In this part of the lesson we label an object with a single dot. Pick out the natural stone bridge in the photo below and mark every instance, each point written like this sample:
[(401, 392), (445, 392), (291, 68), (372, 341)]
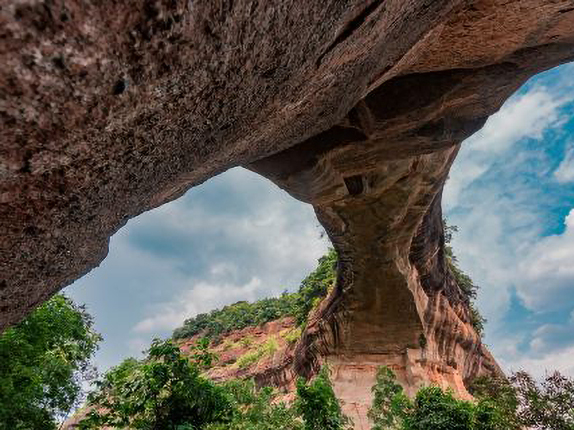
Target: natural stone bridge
[(357, 107)]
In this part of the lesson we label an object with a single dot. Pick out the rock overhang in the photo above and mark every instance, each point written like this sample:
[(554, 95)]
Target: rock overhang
[(357, 108)]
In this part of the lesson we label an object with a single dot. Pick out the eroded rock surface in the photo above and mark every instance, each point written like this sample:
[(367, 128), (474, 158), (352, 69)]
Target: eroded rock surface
[(357, 107)]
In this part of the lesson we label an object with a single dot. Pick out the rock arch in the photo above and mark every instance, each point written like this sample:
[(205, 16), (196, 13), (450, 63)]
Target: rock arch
[(358, 109)]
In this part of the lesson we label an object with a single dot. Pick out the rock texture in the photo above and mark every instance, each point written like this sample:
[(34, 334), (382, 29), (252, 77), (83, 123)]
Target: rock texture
[(357, 107), (109, 109)]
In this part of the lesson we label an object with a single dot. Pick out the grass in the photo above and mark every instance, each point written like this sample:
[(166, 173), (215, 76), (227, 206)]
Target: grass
[(291, 335), (266, 349)]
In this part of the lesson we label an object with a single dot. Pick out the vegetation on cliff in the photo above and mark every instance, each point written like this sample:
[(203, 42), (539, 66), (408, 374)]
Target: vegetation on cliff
[(464, 282), (43, 362), (244, 314)]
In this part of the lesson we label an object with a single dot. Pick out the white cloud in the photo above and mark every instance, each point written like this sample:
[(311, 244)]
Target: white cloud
[(540, 366), (500, 193), (237, 237), (526, 116), (202, 298), (565, 171), (546, 275)]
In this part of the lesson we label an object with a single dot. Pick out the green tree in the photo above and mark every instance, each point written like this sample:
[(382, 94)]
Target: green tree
[(316, 285), (318, 405), (434, 409), (498, 391), (431, 409), (548, 405), (524, 402), (390, 403), (257, 409), (43, 361), (165, 391)]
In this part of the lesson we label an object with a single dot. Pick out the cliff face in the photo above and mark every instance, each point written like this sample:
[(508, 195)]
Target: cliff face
[(355, 107)]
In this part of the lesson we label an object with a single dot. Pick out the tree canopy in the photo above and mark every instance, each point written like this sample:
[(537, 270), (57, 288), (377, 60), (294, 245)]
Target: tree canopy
[(168, 391), (43, 361), (431, 409)]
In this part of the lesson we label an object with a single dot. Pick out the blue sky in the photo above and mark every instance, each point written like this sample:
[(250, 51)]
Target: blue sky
[(236, 237), (239, 237), (511, 192)]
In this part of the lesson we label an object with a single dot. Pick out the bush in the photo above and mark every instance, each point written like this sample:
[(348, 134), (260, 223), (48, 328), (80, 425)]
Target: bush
[(291, 335), (434, 409), (264, 350), (167, 392), (390, 404), (316, 286), (500, 392), (257, 409)]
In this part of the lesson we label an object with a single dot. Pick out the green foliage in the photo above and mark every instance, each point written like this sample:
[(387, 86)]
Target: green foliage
[(464, 282), (167, 392), (237, 316), (164, 391), (244, 314), (316, 286), (291, 335), (317, 404), (500, 392), (257, 409), (390, 403), (43, 361), (432, 409), (264, 350)]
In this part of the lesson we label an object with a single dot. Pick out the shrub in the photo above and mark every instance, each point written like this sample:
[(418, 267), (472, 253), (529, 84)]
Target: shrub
[(166, 391), (257, 409), (390, 404), (464, 282), (291, 335), (434, 409), (500, 392), (431, 409), (316, 286)]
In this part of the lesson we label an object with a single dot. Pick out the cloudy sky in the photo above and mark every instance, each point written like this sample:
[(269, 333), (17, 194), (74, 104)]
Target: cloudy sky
[(239, 237)]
